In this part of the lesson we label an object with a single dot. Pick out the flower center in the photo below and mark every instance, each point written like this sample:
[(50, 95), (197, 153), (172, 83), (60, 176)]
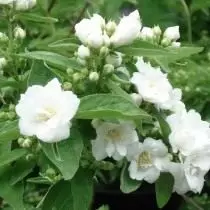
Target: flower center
[(114, 135), (45, 114), (144, 160)]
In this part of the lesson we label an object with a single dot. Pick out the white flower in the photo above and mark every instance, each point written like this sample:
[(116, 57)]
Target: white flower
[(90, 32), (6, 1), (154, 87), (19, 33), (127, 30), (3, 62), (83, 52), (93, 76), (176, 44), (98, 20), (46, 111), (3, 37), (150, 160), (157, 30), (110, 27), (147, 33), (113, 139), (137, 99), (188, 132), (172, 33)]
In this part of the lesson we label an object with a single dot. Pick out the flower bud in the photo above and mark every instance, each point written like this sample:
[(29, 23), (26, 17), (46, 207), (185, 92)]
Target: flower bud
[(95, 40), (20, 141), (104, 51), (50, 172), (172, 33), (114, 59), (12, 107), (106, 40), (110, 27), (11, 115), (108, 68), (67, 86), (24, 4), (83, 52), (3, 37), (19, 33), (98, 20), (165, 42), (76, 77), (3, 115), (81, 61), (147, 33), (69, 71), (157, 31), (176, 44), (27, 143), (3, 63), (137, 99), (93, 76), (30, 157)]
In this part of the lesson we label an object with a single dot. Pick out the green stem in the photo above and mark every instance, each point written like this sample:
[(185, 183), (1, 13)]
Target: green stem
[(188, 19)]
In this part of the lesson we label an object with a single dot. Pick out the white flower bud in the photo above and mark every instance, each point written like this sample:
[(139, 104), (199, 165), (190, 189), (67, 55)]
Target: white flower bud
[(3, 37), (20, 141), (176, 44), (147, 33), (104, 51), (172, 33), (98, 20), (3, 63), (165, 42), (24, 4), (95, 40), (114, 59), (83, 52), (81, 61), (108, 69), (19, 33), (67, 86), (157, 31), (27, 143), (96, 122), (93, 76), (69, 71), (110, 27), (76, 77), (136, 98)]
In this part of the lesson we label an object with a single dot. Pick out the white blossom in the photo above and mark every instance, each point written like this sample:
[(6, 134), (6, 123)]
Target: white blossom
[(93, 76), (176, 44), (149, 161), (137, 99), (147, 33), (46, 111), (24, 4), (114, 59), (3, 62), (172, 33), (188, 132), (83, 52), (19, 33), (113, 139), (6, 1), (127, 30), (153, 86)]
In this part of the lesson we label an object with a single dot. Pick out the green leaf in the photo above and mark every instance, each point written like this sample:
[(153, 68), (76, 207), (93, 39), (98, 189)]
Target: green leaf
[(39, 74), (82, 189), (142, 48), (128, 185), (104, 208), (20, 170), (52, 58), (198, 5), (59, 197), (164, 189), (13, 195), (12, 156), (35, 18), (9, 131), (65, 43), (39, 180), (4, 82), (69, 153), (109, 106)]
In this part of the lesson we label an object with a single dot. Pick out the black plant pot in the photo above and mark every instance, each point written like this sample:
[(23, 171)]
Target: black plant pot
[(142, 199)]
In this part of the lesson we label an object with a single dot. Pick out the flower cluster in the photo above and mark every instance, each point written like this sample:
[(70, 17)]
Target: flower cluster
[(19, 4)]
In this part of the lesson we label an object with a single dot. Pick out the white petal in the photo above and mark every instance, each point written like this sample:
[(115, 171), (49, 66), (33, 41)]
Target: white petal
[(152, 175), (98, 149), (110, 149)]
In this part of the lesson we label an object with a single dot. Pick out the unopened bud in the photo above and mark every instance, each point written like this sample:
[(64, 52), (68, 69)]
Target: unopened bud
[(3, 37), (157, 31), (69, 71), (27, 143), (104, 51), (81, 61), (67, 86), (110, 27), (11, 115), (76, 77), (12, 107), (83, 52), (24, 5), (165, 42), (93, 76), (3, 63), (147, 33), (172, 33), (19, 33), (108, 69), (50, 172), (137, 99), (106, 40), (3, 115), (176, 44), (20, 141)]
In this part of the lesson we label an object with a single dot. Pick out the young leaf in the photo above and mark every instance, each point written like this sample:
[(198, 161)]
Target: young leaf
[(52, 58), (109, 106), (82, 189), (9, 131), (11, 194), (164, 189), (39, 74), (59, 197), (128, 185), (69, 153), (65, 43), (12, 156)]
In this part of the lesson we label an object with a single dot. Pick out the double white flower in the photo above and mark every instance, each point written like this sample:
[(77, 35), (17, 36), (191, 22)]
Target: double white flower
[(46, 111), (114, 140), (153, 86)]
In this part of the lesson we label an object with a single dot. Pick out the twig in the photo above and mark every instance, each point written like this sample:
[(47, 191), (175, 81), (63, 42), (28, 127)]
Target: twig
[(81, 14), (188, 19), (191, 201)]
